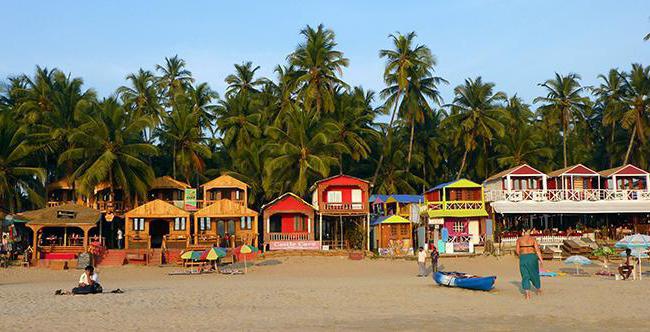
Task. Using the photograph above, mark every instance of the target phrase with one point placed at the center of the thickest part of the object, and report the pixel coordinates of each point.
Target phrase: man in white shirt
(88, 282)
(120, 238)
(422, 262)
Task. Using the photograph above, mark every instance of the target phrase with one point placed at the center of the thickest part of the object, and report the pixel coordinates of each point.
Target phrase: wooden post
(320, 227)
(196, 229)
(368, 232)
(256, 231)
(35, 230)
(85, 241)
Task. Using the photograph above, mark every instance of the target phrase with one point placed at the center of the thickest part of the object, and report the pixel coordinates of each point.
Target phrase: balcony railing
(303, 236)
(455, 205)
(556, 195)
(345, 207)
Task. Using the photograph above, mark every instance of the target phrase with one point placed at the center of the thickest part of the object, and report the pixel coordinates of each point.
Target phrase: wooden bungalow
(459, 207)
(60, 192)
(378, 204)
(406, 206)
(101, 200)
(392, 235)
(225, 187)
(289, 224)
(61, 232)
(225, 223)
(522, 177)
(341, 197)
(169, 190)
(626, 177)
(576, 177)
(157, 224)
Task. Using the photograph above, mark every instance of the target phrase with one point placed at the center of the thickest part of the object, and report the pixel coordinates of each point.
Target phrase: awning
(587, 207)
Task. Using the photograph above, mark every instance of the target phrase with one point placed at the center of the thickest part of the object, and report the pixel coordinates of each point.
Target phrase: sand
(320, 293)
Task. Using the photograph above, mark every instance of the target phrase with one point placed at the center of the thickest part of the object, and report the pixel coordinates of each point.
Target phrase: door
(158, 228)
(473, 230)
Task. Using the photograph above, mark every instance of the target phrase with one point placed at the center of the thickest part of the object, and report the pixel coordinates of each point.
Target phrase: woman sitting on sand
(530, 259)
(626, 269)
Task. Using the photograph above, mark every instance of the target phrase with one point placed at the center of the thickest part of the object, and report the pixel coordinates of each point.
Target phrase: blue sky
(515, 44)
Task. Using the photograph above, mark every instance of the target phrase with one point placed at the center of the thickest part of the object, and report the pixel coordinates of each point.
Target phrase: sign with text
(190, 199)
(294, 245)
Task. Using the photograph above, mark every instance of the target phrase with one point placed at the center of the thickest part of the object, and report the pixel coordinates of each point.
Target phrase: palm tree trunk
(564, 134)
(174, 161)
(408, 159)
(629, 146)
(462, 164)
(611, 158)
(388, 137)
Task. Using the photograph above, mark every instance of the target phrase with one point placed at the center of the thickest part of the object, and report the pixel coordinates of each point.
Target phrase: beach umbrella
(634, 241)
(245, 250)
(212, 254)
(191, 254)
(577, 260)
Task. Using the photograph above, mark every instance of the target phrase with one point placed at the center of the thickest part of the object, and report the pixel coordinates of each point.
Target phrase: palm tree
(109, 148)
(400, 64)
(636, 98)
(238, 120)
(564, 99)
(318, 65)
(201, 98)
(244, 81)
(175, 78)
(181, 130)
(143, 95)
(302, 152)
(18, 177)
(610, 104)
(36, 95)
(476, 113)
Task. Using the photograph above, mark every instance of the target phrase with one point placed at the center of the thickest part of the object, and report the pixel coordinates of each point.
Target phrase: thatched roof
(225, 208)
(157, 209)
(225, 181)
(67, 214)
(167, 182)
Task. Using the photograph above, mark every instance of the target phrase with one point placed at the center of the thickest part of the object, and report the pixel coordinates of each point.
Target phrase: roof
(287, 194)
(575, 169)
(167, 182)
(225, 208)
(462, 183)
(400, 198)
(523, 169)
(313, 187)
(63, 215)
(62, 184)
(157, 209)
(394, 219)
(623, 170)
(225, 181)
(378, 198)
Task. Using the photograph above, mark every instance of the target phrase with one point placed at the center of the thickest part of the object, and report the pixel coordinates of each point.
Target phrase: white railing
(344, 206)
(455, 205)
(288, 236)
(556, 195)
(550, 240)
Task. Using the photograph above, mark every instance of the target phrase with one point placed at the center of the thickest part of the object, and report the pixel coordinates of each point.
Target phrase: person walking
(434, 259)
(120, 238)
(530, 259)
(422, 263)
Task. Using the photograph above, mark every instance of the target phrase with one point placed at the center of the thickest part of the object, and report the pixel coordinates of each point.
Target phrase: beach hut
(458, 207)
(392, 235)
(225, 223)
(157, 224)
(289, 224)
(61, 192)
(101, 200)
(377, 204)
(573, 178)
(60, 232)
(225, 187)
(626, 177)
(169, 190)
(519, 178)
(406, 206)
(342, 204)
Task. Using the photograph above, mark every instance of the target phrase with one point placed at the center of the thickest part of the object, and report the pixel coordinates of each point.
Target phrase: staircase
(156, 257)
(113, 257)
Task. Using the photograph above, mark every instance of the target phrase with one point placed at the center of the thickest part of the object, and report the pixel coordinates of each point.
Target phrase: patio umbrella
(577, 260)
(634, 241)
(245, 250)
(212, 254)
(638, 253)
(191, 254)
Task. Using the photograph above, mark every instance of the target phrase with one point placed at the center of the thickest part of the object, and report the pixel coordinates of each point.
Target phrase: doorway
(158, 228)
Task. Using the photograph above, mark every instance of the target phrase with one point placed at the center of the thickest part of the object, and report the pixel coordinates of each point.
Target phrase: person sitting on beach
(626, 269)
(88, 282)
(530, 259)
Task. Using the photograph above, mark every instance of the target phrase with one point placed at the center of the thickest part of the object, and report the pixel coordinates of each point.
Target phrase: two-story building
(342, 207)
(455, 212)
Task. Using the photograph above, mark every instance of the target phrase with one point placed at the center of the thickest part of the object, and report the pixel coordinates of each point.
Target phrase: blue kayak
(464, 280)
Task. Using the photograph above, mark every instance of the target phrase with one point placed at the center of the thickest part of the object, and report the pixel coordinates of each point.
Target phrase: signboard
(190, 199)
(436, 221)
(294, 245)
(66, 214)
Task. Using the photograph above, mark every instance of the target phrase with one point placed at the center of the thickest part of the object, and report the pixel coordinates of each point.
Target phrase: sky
(515, 44)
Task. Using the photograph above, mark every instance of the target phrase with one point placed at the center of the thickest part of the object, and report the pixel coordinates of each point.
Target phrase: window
(138, 224)
(404, 229)
(204, 224)
(245, 223)
(298, 224)
(393, 230)
(334, 197)
(179, 224)
(356, 196)
(237, 194)
(459, 227)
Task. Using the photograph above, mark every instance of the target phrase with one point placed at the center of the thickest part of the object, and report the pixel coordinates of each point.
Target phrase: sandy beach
(320, 293)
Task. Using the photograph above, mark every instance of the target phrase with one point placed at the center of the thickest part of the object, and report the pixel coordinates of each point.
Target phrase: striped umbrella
(634, 241)
(212, 254)
(245, 250)
(191, 254)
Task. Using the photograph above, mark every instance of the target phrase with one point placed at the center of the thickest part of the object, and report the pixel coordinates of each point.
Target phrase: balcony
(344, 208)
(455, 205)
(302, 236)
(557, 195)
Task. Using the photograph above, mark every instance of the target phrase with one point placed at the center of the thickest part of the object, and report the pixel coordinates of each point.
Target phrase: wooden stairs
(113, 257)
